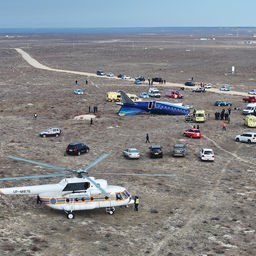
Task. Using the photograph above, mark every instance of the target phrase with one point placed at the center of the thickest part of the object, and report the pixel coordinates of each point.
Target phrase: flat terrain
(205, 208)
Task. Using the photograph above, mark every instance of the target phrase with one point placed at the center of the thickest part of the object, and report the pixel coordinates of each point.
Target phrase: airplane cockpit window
(118, 196)
(77, 186)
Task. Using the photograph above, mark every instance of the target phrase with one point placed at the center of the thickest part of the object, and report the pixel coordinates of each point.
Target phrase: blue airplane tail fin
(125, 98)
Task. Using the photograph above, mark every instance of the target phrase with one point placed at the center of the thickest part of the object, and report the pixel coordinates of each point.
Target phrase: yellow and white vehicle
(116, 97)
(113, 96)
(200, 116)
(250, 121)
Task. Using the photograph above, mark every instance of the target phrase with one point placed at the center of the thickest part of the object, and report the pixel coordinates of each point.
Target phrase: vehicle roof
(75, 143)
(247, 133)
(155, 146)
(180, 145)
(132, 149)
(207, 149)
(193, 129)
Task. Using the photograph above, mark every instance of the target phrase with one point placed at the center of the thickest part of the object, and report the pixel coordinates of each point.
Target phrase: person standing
(35, 115)
(147, 138)
(136, 203)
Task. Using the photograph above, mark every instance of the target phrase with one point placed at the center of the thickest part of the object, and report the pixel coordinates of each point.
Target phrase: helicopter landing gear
(70, 215)
(110, 210)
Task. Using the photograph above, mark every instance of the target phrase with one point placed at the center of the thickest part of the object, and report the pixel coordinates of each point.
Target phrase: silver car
(179, 150)
(131, 153)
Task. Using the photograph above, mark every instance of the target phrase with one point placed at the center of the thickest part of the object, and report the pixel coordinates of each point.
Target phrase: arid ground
(205, 208)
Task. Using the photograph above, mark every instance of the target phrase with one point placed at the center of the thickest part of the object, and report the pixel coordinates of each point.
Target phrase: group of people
(223, 115)
(94, 109)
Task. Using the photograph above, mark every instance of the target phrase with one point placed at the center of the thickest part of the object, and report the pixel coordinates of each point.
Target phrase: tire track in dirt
(208, 201)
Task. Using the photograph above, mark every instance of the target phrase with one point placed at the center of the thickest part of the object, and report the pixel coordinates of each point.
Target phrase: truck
(249, 99)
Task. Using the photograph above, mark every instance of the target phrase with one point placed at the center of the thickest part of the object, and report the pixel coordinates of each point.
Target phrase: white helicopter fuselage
(73, 194)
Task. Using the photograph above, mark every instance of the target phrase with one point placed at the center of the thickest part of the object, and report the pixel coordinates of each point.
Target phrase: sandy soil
(202, 209)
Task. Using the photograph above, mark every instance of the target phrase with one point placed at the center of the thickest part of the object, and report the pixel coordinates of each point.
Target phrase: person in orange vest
(224, 126)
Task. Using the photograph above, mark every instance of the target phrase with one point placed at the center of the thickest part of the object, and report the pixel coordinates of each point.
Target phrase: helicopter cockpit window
(124, 195)
(77, 186)
(118, 196)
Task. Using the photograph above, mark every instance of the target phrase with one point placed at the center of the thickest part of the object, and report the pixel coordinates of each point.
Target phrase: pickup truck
(250, 99)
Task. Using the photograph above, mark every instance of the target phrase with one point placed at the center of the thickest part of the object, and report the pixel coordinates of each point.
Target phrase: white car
(132, 153)
(207, 86)
(206, 154)
(225, 88)
(110, 74)
(248, 137)
(50, 132)
(253, 91)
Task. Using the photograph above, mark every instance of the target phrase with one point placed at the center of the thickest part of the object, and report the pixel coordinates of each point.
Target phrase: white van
(154, 92)
(250, 109)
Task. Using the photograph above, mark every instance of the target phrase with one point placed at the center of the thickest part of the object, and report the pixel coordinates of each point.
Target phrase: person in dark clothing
(89, 109)
(86, 82)
(91, 122)
(222, 113)
(226, 116)
(229, 111)
(198, 127)
(147, 138)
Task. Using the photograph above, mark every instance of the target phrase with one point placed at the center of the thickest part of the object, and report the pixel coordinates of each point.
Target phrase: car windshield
(179, 146)
(133, 150)
(208, 152)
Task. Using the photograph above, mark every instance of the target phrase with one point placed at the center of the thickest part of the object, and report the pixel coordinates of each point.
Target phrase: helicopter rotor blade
(33, 177)
(142, 174)
(99, 159)
(37, 163)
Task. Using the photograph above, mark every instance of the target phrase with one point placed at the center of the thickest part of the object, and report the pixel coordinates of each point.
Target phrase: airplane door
(151, 104)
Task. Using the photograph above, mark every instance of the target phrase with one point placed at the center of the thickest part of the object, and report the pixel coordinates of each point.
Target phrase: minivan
(248, 137)
(250, 109)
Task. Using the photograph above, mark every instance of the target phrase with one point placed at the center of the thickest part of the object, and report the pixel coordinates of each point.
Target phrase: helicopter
(79, 192)
(71, 194)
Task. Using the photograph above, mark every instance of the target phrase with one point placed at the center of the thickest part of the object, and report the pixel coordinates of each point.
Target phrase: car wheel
(78, 153)
(237, 139)
(249, 141)
(44, 135)
(56, 135)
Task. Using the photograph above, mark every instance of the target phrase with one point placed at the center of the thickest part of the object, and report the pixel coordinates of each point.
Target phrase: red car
(173, 94)
(193, 133)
